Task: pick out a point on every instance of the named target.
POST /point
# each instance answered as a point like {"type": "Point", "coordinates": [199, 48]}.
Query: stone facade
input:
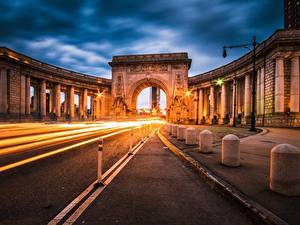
{"type": "Point", "coordinates": [169, 72]}
{"type": "Point", "coordinates": [277, 85]}
{"type": "Point", "coordinates": [32, 90]}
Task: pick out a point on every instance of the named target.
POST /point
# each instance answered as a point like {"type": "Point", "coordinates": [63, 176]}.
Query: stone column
{"type": "Point", "coordinates": [258, 111]}
{"type": "Point", "coordinates": [200, 106]}
{"type": "Point", "coordinates": [279, 85]}
{"type": "Point", "coordinates": [247, 96]}
{"type": "Point", "coordinates": [81, 104]}
{"type": "Point", "coordinates": [223, 101]}
{"type": "Point", "coordinates": [27, 97]}
{"type": "Point", "coordinates": [57, 100]}
{"type": "Point", "coordinates": [195, 106]}
{"type": "Point", "coordinates": [3, 91]}
{"type": "Point", "coordinates": [84, 103]}
{"type": "Point", "coordinates": [51, 100]}
{"type": "Point", "coordinates": [295, 84]}
{"type": "Point", "coordinates": [22, 93]}
{"type": "Point", "coordinates": [71, 102]}
{"type": "Point", "coordinates": [43, 98]}
{"type": "Point", "coordinates": [66, 104]}
{"type": "Point", "coordinates": [262, 90]}
{"type": "Point", "coordinates": [211, 103]}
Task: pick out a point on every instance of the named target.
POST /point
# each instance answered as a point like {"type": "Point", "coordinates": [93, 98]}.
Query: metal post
{"type": "Point", "coordinates": [99, 171]}
{"type": "Point", "coordinates": [252, 128]}
{"type": "Point", "coordinates": [131, 142]}
{"type": "Point", "coordinates": [234, 102]}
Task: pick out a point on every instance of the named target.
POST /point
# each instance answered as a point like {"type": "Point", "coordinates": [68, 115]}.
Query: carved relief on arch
{"type": "Point", "coordinates": [119, 84]}
{"type": "Point", "coordinates": [149, 67]}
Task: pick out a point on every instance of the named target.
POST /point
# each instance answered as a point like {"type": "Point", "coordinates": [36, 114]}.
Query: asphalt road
{"type": "Point", "coordinates": [34, 193]}
{"type": "Point", "coordinates": [157, 188]}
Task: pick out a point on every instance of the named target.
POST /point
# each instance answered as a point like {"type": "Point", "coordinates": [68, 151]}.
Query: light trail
{"type": "Point", "coordinates": [81, 133]}
{"type": "Point", "coordinates": [54, 152]}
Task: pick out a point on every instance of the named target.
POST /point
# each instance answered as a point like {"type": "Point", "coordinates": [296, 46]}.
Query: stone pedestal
{"type": "Point", "coordinates": [181, 133]}
{"type": "Point", "coordinates": [190, 136]}
{"type": "Point", "coordinates": [205, 141]}
{"type": "Point", "coordinates": [285, 170]}
{"type": "Point", "coordinates": [231, 150]}
{"type": "Point", "coordinates": [174, 130]}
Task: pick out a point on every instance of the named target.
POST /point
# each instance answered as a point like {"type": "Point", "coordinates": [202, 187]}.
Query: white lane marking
{"type": "Point", "coordinates": [81, 209]}
{"type": "Point", "coordinates": [90, 199]}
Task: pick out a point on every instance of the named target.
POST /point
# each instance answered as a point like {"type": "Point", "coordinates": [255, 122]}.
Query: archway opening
{"type": "Point", "coordinates": [151, 102]}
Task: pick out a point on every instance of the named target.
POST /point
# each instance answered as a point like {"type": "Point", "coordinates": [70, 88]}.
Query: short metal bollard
{"type": "Point", "coordinates": [181, 133]}
{"type": "Point", "coordinates": [190, 136]}
{"type": "Point", "coordinates": [205, 141]}
{"type": "Point", "coordinates": [285, 170]}
{"type": "Point", "coordinates": [131, 142]}
{"type": "Point", "coordinates": [174, 131]}
{"type": "Point", "coordinates": [231, 150]}
{"type": "Point", "coordinates": [99, 169]}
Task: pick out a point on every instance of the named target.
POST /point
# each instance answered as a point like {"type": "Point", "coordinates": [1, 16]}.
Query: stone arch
{"type": "Point", "coordinates": [140, 85]}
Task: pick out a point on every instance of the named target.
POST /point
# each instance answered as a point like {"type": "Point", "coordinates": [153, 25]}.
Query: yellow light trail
{"type": "Point", "coordinates": [115, 125]}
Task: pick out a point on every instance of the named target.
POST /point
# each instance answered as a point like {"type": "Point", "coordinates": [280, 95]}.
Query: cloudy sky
{"type": "Point", "coordinates": [84, 35]}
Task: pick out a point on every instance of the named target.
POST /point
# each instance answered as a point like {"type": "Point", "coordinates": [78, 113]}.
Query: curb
{"type": "Point", "coordinates": [262, 214]}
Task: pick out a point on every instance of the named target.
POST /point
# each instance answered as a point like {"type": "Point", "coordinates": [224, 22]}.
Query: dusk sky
{"type": "Point", "coordinates": [84, 35]}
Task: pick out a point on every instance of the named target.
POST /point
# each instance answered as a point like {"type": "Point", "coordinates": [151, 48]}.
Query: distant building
{"type": "Point", "coordinates": [292, 14]}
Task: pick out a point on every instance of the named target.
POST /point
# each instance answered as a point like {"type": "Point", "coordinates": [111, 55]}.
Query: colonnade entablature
{"type": "Point", "coordinates": [32, 90]}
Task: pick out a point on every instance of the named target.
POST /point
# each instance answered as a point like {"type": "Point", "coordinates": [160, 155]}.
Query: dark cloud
{"type": "Point", "coordinates": [84, 35]}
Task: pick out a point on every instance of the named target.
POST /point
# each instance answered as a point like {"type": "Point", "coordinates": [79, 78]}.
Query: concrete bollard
{"type": "Point", "coordinates": [170, 129]}
{"type": "Point", "coordinates": [181, 133]}
{"type": "Point", "coordinates": [190, 136]}
{"type": "Point", "coordinates": [285, 170]}
{"type": "Point", "coordinates": [205, 141]}
{"type": "Point", "coordinates": [174, 131]}
{"type": "Point", "coordinates": [231, 150]}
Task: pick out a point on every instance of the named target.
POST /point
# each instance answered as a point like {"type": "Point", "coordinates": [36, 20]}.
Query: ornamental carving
{"type": "Point", "coordinates": [149, 68]}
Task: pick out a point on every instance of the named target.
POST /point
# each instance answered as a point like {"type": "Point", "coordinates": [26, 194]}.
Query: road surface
{"type": "Point", "coordinates": [44, 167]}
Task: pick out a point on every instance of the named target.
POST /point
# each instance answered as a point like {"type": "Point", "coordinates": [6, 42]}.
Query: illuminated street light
{"type": "Point", "coordinates": [188, 93]}
{"type": "Point", "coordinates": [100, 94]}
{"type": "Point", "coordinates": [219, 81]}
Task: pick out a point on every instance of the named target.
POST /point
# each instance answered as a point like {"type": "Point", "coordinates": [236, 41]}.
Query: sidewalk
{"type": "Point", "coordinates": [252, 177]}
{"type": "Point", "coordinates": [157, 188]}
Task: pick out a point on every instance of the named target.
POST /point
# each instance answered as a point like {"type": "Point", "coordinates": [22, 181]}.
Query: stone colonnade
{"type": "Point", "coordinates": [31, 97]}
{"type": "Point", "coordinates": [217, 103]}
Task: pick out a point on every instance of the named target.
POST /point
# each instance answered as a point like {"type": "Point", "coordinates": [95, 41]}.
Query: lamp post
{"type": "Point", "coordinates": [234, 101]}
{"type": "Point", "coordinates": [253, 44]}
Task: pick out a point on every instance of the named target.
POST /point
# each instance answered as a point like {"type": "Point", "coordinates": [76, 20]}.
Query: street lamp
{"type": "Point", "coordinates": [253, 44]}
